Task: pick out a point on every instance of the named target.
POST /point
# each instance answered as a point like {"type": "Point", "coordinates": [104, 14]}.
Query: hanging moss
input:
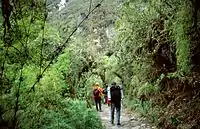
{"type": "Point", "coordinates": [181, 27]}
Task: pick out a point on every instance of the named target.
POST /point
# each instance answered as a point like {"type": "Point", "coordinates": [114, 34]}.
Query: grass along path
{"type": "Point", "coordinates": [128, 121]}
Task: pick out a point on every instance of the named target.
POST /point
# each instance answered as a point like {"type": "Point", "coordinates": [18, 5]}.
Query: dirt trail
{"type": "Point", "coordinates": [128, 121]}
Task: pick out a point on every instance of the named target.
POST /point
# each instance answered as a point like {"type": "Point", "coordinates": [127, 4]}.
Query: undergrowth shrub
{"type": "Point", "coordinates": [146, 89]}
{"type": "Point", "coordinates": [46, 108]}
{"type": "Point", "coordinates": [145, 109]}
{"type": "Point", "coordinates": [55, 112]}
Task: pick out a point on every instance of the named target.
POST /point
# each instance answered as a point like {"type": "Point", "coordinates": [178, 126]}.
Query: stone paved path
{"type": "Point", "coordinates": [128, 121]}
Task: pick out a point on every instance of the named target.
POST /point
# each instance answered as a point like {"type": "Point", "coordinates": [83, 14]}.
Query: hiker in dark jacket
{"type": "Point", "coordinates": [115, 96]}
{"type": "Point", "coordinates": [97, 93]}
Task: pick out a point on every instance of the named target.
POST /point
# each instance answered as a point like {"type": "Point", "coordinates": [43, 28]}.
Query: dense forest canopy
{"type": "Point", "coordinates": [53, 51]}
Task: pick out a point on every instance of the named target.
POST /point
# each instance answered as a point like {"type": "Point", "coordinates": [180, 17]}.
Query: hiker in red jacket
{"type": "Point", "coordinates": [97, 93]}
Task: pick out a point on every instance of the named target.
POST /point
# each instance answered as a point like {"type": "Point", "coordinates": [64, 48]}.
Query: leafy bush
{"type": "Point", "coordinates": [146, 89]}
{"type": "Point", "coordinates": [180, 26]}
{"type": "Point", "coordinates": [54, 112]}
{"type": "Point", "coordinates": [46, 108]}
{"type": "Point", "coordinates": [144, 109]}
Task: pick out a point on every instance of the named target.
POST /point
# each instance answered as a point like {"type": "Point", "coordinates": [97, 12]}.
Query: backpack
{"type": "Point", "coordinates": [96, 92]}
{"type": "Point", "coordinates": [115, 92]}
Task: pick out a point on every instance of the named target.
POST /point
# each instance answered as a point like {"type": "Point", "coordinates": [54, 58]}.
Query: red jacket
{"type": "Point", "coordinates": [100, 93]}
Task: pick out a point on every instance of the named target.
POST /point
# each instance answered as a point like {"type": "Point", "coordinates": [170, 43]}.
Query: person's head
{"type": "Point", "coordinates": [113, 83]}
{"type": "Point", "coordinates": [106, 85]}
{"type": "Point", "coordinates": [96, 84]}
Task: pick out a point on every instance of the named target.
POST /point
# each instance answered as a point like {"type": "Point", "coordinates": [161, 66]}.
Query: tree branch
{"type": "Point", "coordinates": [61, 48]}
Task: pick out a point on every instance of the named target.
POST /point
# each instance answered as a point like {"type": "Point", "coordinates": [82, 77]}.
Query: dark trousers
{"type": "Point", "coordinates": [98, 104]}
{"type": "Point", "coordinates": [105, 99]}
{"type": "Point", "coordinates": [116, 106]}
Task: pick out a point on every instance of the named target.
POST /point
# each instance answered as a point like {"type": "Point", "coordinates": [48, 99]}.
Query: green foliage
{"type": "Point", "coordinates": [144, 109]}
{"type": "Point", "coordinates": [133, 29]}
{"type": "Point", "coordinates": [174, 121]}
{"type": "Point", "coordinates": [46, 108]}
{"type": "Point", "coordinates": [51, 111]}
{"type": "Point", "coordinates": [179, 25]}
{"type": "Point", "coordinates": [183, 50]}
{"type": "Point", "coordinates": [34, 40]}
{"type": "Point", "coordinates": [146, 89]}
{"type": "Point", "coordinates": [140, 24]}
{"type": "Point", "coordinates": [92, 55]}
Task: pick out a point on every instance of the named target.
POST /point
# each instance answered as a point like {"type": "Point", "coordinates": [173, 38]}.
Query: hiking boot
{"type": "Point", "coordinates": [100, 111]}
{"type": "Point", "coordinates": [112, 122]}
{"type": "Point", "coordinates": [118, 124]}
